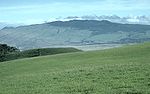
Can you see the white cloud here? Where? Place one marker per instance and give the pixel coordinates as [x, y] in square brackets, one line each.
[133, 20]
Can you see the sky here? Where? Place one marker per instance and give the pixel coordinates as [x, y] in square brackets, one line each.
[38, 11]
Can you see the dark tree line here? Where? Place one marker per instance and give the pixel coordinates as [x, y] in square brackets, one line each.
[5, 49]
[10, 53]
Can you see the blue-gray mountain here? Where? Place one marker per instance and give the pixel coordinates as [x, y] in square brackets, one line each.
[74, 32]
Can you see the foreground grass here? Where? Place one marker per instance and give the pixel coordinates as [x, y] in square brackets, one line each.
[124, 70]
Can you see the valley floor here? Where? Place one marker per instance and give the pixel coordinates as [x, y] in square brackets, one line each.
[91, 47]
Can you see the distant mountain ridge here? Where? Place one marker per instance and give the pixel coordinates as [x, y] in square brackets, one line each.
[74, 32]
[7, 25]
[101, 26]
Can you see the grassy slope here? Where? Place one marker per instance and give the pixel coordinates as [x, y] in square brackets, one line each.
[124, 70]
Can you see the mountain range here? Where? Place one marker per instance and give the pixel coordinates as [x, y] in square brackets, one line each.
[74, 33]
[4, 24]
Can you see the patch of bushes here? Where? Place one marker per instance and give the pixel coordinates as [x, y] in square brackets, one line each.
[5, 50]
[11, 53]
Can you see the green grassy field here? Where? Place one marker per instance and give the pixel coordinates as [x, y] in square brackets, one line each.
[124, 70]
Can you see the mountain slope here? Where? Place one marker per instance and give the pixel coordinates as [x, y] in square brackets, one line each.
[102, 27]
[75, 32]
[124, 70]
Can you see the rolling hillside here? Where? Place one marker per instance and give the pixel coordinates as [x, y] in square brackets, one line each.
[74, 33]
[124, 70]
